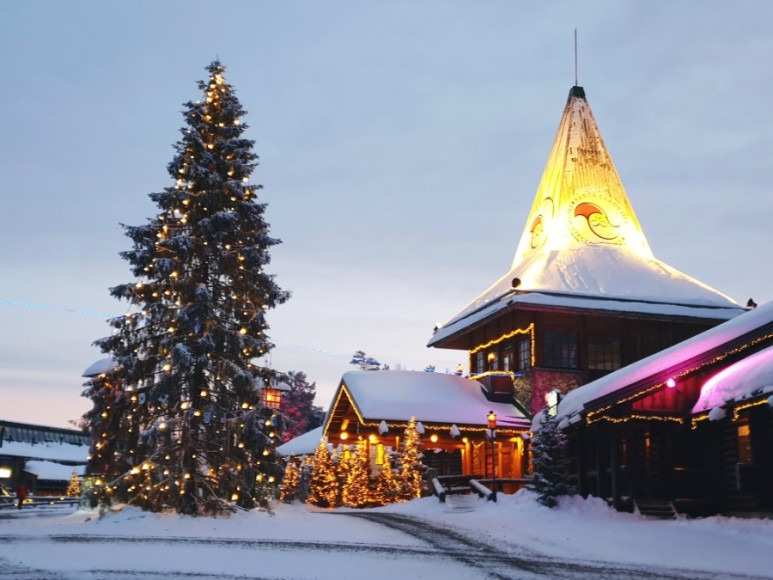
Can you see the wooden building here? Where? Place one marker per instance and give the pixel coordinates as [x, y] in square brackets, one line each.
[691, 426]
[584, 295]
[377, 405]
[42, 458]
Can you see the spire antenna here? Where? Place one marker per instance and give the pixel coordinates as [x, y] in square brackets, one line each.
[576, 83]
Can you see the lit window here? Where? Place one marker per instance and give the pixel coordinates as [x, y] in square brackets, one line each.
[272, 398]
[507, 358]
[744, 444]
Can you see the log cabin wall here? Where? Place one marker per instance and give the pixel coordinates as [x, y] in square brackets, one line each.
[567, 349]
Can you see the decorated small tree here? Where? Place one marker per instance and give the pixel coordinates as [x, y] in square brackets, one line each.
[551, 462]
[74, 487]
[355, 491]
[387, 484]
[323, 485]
[289, 491]
[410, 463]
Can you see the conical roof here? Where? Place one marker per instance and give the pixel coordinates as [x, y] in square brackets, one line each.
[580, 200]
[582, 245]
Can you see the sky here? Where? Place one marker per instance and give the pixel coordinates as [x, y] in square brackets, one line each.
[401, 144]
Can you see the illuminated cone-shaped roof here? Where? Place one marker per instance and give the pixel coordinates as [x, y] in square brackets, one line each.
[582, 246]
[580, 200]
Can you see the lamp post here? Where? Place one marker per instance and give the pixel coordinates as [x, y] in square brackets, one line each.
[492, 433]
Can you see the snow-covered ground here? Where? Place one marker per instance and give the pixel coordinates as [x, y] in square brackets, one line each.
[443, 541]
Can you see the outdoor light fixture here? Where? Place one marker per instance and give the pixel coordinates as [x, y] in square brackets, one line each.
[492, 426]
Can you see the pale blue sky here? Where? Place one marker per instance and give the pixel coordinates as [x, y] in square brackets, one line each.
[401, 145]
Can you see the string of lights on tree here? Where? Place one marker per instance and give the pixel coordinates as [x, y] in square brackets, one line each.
[178, 422]
[342, 476]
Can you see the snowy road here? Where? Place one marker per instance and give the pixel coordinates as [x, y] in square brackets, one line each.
[409, 546]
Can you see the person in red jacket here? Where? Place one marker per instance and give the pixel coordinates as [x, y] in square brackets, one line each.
[21, 494]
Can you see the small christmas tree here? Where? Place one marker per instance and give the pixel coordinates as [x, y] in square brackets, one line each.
[551, 462]
[323, 486]
[355, 492]
[387, 484]
[289, 491]
[410, 464]
[74, 487]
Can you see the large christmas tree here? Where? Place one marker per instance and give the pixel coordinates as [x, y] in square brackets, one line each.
[182, 414]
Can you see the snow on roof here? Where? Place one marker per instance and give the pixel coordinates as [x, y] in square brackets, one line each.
[580, 302]
[48, 451]
[582, 238]
[101, 366]
[429, 397]
[749, 377]
[304, 444]
[53, 471]
[575, 401]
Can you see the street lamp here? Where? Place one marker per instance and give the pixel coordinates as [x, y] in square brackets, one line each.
[492, 433]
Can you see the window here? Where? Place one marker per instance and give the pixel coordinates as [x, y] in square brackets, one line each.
[493, 361]
[560, 350]
[272, 398]
[603, 353]
[478, 366]
[507, 358]
[524, 354]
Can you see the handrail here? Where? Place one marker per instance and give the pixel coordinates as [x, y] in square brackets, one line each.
[440, 491]
[481, 490]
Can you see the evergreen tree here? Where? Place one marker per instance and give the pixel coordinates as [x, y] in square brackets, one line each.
[74, 487]
[355, 489]
[388, 487]
[190, 433]
[410, 463]
[365, 362]
[298, 408]
[323, 486]
[289, 491]
[551, 462]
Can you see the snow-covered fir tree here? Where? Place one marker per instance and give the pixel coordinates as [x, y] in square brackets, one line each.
[365, 363]
[551, 462]
[297, 407]
[355, 490]
[323, 484]
[183, 420]
[410, 463]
